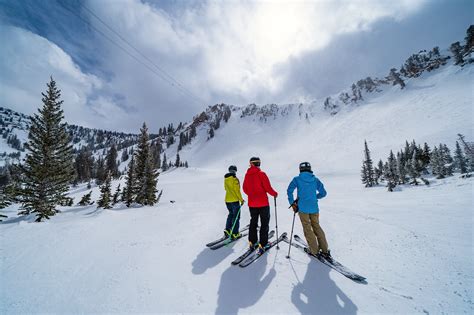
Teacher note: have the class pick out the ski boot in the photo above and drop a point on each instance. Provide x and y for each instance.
(227, 233)
(236, 235)
(262, 249)
(326, 255)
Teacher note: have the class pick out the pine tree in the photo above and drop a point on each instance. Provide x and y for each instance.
(468, 151)
(379, 171)
(390, 172)
(211, 133)
(414, 168)
(100, 171)
(177, 163)
(86, 199)
(469, 47)
(116, 195)
(105, 194)
(448, 160)
(457, 49)
(111, 162)
(368, 175)
(401, 168)
(129, 190)
(48, 169)
(460, 160)
(145, 171)
(164, 167)
(186, 164)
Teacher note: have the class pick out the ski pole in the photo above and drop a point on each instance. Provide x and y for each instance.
(235, 221)
(276, 220)
(291, 237)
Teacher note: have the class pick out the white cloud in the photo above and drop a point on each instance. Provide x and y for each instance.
(230, 48)
(26, 64)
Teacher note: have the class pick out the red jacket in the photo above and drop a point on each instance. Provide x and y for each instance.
(256, 186)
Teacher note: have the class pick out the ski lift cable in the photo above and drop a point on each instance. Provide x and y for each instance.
(138, 51)
(160, 75)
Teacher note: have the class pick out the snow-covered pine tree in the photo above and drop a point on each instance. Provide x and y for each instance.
(105, 194)
(128, 195)
(48, 169)
(124, 156)
(100, 171)
(390, 172)
(211, 133)
(145, 171)
(378, 172)
(414, 168)
(116, 195)
(460, 160)
(186, 164)
(363, 175)
(457, 50)
(177, 163)
(469, 47)
(368, 168)
(447, 159)
(437, 163)
(151, 180)
(86, 199)
(164, 166)
(468, 151)
(111, 162)
(425, 157)
(401, 168)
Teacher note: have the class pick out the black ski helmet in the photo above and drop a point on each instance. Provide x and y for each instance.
(255, 161)
(232, 169)
(305, 167)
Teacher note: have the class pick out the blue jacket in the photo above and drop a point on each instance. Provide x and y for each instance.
(310, 189)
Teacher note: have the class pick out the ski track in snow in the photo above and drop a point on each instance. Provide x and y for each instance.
(414, 246)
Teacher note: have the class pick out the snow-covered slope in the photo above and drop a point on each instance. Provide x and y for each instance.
(433, 108)
(415, 246)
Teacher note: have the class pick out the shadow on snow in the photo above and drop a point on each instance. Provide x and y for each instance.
(243, 288)
(318, 293)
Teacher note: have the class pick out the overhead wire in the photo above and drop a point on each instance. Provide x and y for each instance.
(162, 74)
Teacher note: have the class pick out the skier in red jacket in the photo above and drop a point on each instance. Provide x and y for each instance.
(256, 186)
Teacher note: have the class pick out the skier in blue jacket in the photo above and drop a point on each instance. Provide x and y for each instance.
(309, 190)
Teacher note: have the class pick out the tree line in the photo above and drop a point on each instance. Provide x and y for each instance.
(412, 164)
(40, 184)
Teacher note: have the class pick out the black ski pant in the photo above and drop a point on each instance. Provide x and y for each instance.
(264, 214)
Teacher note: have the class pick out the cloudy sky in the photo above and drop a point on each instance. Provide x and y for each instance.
(122, 62)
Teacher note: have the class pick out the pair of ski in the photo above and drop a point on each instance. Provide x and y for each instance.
(226, 240)
(331, 262)
(252, 254)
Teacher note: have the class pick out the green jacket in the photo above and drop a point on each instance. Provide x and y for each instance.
(232, 188)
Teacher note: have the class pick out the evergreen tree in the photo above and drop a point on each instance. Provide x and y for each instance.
(211, 133)
(145, 171)
(378, 172)
(105, 194)
(100, 171)
(186, 164)
(48, 167)
(469, 47)
(164, 167)
(425, 157)
(129, 190)
(86, 199)
(390, 172)
(368, 175)
(468, 151)
(177, 163)
(401, 168)
(456, 49)
(460, 160)
(116, 195)
(111, 165)
(414, 168)
(447, 159)
(125, 155)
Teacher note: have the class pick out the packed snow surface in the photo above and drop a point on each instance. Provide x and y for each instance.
(414, 246)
